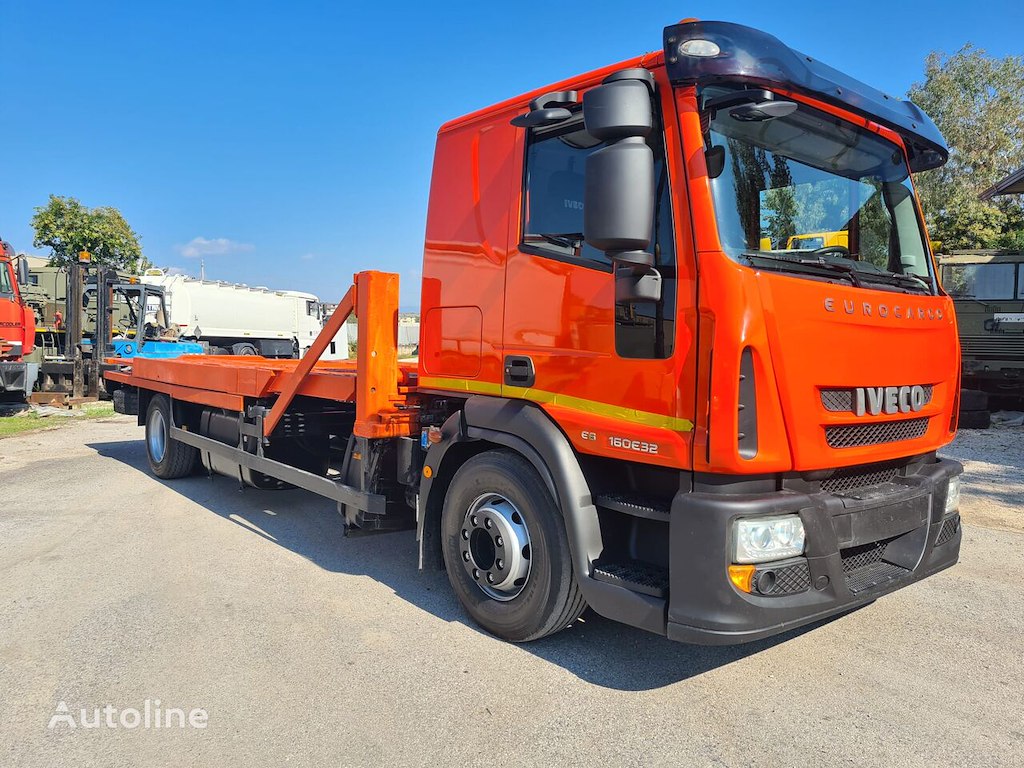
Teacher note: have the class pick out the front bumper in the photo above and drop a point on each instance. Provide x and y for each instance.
(18, 377)
(906, 523)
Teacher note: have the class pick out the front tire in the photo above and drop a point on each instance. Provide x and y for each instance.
(506, 549)
(168, 458)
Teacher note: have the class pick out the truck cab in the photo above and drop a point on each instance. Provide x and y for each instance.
(17, 329)
(987, 287)
(757, 429)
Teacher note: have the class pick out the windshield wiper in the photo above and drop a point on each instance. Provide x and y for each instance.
(895, 278)
(911, 279)
(564, 239)
(857, 276)
(838, 267)
(843, 269)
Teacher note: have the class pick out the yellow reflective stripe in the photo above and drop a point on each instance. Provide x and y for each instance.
(461, 385)
(566, 401)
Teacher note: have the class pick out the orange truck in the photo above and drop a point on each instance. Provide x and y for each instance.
(17, 330)
(621, 402)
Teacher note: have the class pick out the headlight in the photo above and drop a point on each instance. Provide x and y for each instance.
(763, 539)
(953, 494)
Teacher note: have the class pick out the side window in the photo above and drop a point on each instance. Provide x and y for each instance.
(553, 200)
(553, 226)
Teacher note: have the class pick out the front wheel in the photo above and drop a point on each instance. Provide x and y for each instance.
(168, 458)
(506, 550)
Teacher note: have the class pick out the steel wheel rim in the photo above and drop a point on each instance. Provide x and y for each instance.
(494, 544)
(157, 437)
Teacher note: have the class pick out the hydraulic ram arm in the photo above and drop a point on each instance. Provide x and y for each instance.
(311, 358)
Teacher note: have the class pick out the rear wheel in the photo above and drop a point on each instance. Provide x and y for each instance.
(243, 349)
(973, 400)
(506, 550)
(168, 458)
(974, 420)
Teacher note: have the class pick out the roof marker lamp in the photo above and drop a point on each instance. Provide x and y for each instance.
(953, 495)
(703, 49)
(766, 539)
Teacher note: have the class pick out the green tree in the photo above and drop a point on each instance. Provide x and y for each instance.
(65, 226)
(978, 103)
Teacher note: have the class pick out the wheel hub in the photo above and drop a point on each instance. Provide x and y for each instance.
(157, 435)
(495, 547)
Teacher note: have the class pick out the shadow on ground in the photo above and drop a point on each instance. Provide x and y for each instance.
(595, 649)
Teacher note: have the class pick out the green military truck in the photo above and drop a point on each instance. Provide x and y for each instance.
(988, 291)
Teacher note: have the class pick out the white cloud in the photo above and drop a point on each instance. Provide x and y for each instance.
(308, 256)
(217, 246)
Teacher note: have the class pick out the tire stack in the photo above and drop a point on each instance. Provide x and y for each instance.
(974, 412)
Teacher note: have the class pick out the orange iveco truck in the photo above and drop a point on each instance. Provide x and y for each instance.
(624, 397)
(17, 330)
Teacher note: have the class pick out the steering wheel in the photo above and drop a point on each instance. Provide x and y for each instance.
(833, 250)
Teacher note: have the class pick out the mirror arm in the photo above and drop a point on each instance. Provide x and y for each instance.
(749, 96)
(546, 110)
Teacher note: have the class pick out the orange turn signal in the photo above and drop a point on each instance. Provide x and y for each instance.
(742, 576)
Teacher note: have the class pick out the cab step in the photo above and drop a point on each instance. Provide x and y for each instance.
(635, 504)
(634, 575)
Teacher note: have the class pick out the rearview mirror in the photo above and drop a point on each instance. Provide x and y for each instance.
(23, 271)
(618, 195)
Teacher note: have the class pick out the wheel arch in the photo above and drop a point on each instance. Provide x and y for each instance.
(487, 422)
(463, 436)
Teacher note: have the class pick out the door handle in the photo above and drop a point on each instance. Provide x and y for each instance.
(519, 371)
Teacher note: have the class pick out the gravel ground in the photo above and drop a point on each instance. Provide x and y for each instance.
(305, 648)
(993, 477)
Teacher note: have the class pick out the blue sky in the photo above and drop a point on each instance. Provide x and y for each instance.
(291, 143)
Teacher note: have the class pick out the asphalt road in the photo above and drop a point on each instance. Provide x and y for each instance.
(304, 648)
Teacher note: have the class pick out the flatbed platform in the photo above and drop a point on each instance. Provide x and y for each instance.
(225, 381)
(375, 381)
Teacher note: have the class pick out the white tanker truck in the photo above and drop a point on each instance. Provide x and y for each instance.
(234, 319)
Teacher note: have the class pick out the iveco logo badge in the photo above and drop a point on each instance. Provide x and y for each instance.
(876, 400)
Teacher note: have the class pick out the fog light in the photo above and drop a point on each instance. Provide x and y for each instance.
(764, 539)
(953, 494)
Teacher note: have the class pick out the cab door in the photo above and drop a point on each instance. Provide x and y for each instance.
(607, 374)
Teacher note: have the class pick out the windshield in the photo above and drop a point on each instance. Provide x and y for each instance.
(984, 281)
(5, 278)
(811, 194)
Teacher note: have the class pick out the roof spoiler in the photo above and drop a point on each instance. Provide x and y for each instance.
(705, 52)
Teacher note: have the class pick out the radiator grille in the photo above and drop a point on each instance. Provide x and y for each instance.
(852, 435)
(852, 478)
(864, 566)
(841, 400)
(856, 558)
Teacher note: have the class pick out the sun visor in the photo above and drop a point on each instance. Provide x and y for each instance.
(705, 52)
